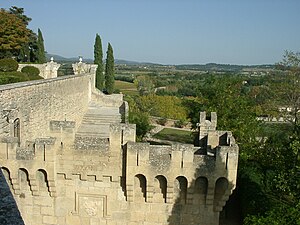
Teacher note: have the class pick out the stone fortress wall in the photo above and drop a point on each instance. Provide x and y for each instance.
(70, 157)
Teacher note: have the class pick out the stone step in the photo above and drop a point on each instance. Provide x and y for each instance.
(87, 115)
(94, 129)
(101, 121)
(96, 122)
(102, 117)
(88, 134)
(103, 110)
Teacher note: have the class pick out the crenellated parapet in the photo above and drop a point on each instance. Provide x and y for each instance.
(121, 133)
(183, 173)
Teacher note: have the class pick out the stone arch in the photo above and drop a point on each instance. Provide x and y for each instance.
(180, 189)
(7, 176)
(160, 189)
(17, 130)
(200, 190)
(23, 177)
(220, 191)
(42, 180)
(140, 185)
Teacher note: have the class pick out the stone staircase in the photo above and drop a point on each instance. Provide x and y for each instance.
(93, 133)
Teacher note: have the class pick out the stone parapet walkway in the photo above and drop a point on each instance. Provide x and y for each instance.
(94, 130)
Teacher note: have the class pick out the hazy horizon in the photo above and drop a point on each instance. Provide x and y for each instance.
(169, 32)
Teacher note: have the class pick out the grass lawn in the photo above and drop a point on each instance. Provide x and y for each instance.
(126, 88)
(123, 85)
(130, 92)
(170, 134)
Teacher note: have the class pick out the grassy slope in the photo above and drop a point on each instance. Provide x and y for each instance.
(126, 87)
(177, 135)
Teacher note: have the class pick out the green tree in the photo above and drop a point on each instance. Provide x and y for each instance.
(235, 110)
(28, 50)
(269, 175)
(280, 215)
(98, 59)
(19, 12)
(144, 85)
(138, 117)
(288, 89)
(41, 57)
(13, 34)
(162, 106)
(109, 70)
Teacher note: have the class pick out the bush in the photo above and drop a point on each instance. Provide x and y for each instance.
(12, 77)
(8, 65)
(30, 70)
(141, 120)
(180, 123)
(162, 121)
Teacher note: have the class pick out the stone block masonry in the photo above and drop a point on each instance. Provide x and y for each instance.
(68, 159)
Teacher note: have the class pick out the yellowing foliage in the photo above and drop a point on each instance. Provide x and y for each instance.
(13, 32)
(163, 106)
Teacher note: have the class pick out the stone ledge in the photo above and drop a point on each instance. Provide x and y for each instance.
(45, 141)
(56, 125)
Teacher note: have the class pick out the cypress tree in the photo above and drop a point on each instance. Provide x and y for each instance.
(41, 57)
(98, 59)
(109, 70)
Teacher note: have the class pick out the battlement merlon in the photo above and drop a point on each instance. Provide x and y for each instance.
(121, 133)
(207, 129)
(208, 123)
(144, 158)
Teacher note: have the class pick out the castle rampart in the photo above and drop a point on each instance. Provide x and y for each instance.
(69, 159)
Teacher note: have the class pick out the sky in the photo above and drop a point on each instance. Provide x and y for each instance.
(244, 32)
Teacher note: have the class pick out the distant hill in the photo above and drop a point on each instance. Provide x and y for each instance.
(196, 67)
(224, 67)
(59, 58)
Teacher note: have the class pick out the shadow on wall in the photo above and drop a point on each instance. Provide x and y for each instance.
(201, 200)
(9, 212)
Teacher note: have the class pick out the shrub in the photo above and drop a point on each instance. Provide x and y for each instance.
(162, 121)
(8, 65)
(117, 91)
(180, 123)
(12, 77)
(142, 122)
(30, 70)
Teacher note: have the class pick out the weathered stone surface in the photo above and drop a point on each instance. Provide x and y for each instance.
(24, 154)
(68, 159)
